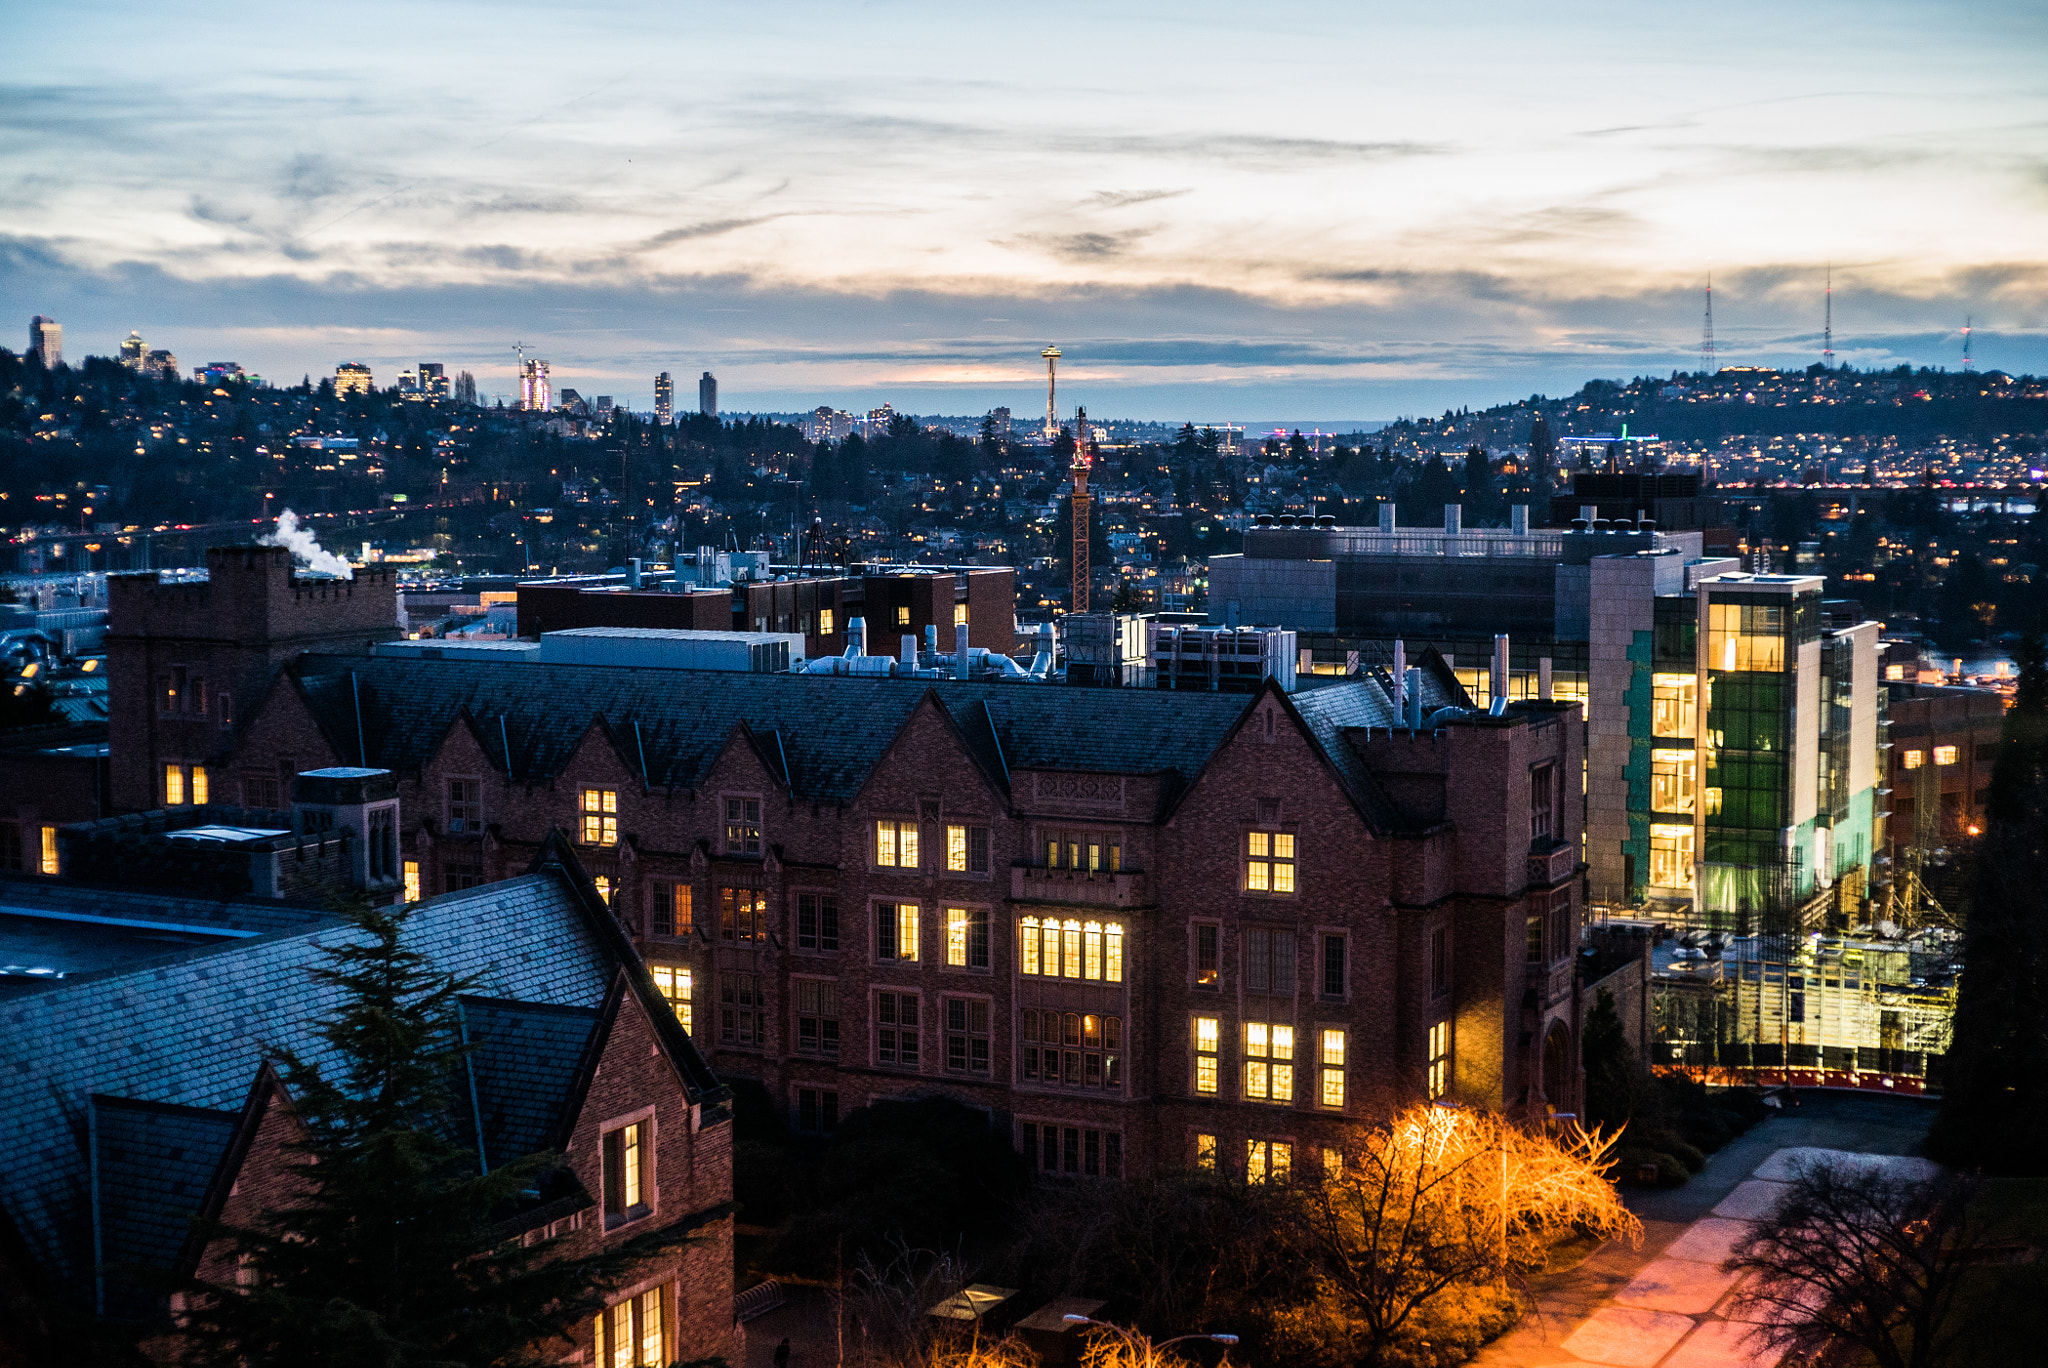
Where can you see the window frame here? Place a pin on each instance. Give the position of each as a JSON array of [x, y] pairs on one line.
[[888, 931], [638, 1192], [597, 812], [1264, 867], [823, 992], [1268, 1062], [742, 825], [1205, 1081], [1329, 1070], [819, 908], [679, 992], [1439, 1053], [915, 1030], [1205, 959], [887, 849], [1341, 939], [966, 1035], [967, 843], [472, 822], [967, 937]]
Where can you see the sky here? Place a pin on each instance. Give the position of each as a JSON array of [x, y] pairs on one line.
[[1283, 211]]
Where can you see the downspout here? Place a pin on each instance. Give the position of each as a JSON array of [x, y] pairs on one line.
[[355, 688]]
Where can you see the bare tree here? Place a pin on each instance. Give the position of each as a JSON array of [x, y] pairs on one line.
[[1445, 1198], [1855, 1255]]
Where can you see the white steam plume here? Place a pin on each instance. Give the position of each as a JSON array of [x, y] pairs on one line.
[[301, 543]]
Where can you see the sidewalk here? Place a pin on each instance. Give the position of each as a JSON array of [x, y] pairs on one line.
[[1666, 1305]]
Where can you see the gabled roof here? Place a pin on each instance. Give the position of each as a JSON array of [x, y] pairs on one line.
[[191, 1028], [151, 1164], [522, 1071], [832, 731]]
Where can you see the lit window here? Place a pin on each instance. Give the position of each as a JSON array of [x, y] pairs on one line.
[[896, 931], [1439, 1059], [1673, 776], [1268, 1062], [604, 889], [1269, 867], [959, 615], [1333, 1163], [966, 849], [632, 1333], [966, 938], [902, 615], [1333, 1067], [199, 785], [1671, 855], [1208, 1042], [896, 844], [174, 785], [1674, 705], [1943, 755], [743, 826], [824, 622], [1207, 972], [626, 1164], [1205, 1151], [412, 881], [600, 817], [1267, 1161], [742, 915], [674, 986], [48, 863]]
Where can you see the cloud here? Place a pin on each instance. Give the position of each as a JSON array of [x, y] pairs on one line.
[[1084, 247], [1124, 199], [691, 231]]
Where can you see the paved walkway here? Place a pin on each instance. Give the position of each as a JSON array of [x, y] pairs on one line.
[[1667, 1304]]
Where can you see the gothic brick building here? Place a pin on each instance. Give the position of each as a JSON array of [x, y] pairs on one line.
[[1140, 929]]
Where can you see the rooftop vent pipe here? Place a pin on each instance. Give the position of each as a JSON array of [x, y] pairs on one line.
[[1400, 679], [1497, 680]]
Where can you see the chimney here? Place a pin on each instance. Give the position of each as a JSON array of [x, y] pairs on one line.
[[908, 653], [1497, 681], [856, 636], [364, 804], [1454, 514], [1518, 520], [1414, 718], [1387, 517]]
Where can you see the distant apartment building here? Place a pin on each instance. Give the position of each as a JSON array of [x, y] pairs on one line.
[[827, 424], [352, 377], [433, 380], [1944, 742], [664, 399], [999, 422], [707, 395], [46, 340], [161, 364], [133, 351]]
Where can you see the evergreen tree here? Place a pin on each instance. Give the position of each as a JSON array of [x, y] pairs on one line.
[[1995, 1096], [389, 1258]]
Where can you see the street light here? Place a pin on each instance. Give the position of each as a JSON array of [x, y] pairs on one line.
[[1150, 1348]]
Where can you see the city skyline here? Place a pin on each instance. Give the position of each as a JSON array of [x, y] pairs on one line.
[[1331, 212]]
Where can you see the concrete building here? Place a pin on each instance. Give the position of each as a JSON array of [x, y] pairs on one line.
[[707, 395], [46, 340], [664, 399], [352, 377]]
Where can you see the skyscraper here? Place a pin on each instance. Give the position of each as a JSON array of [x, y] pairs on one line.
[[707, 395], [664, 399], [433, 380], [133, 351], [352, 377], [46, 339], [534, 391]]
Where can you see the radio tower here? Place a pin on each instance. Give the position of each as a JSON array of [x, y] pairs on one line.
[[1966, 344], [1052, 413], [1827, 332], [1707, 363], [1084, 452]]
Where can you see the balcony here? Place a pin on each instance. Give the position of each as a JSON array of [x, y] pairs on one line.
[[1079, 887], [1551, 864]]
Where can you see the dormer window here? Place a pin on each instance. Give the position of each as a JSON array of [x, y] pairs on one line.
[[896, 844], [1269, 862], [600, 817]]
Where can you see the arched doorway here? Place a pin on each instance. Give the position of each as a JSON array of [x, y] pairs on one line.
[[1559, 1074]]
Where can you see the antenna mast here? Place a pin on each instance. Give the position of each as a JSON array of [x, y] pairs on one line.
[[1827, 332], [1966, 343], [1708, 364]]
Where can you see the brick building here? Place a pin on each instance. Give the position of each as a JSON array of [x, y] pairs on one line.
[[140, 1094], [895, 604], [187, 659], [1139, 929], [1944, 741]]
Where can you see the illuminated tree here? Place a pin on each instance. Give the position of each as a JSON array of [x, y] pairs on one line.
[[1444, 1199]]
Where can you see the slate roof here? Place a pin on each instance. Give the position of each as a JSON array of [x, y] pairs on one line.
[[189, 1030], [151, 1163], [832, 730], [522, 1071]]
